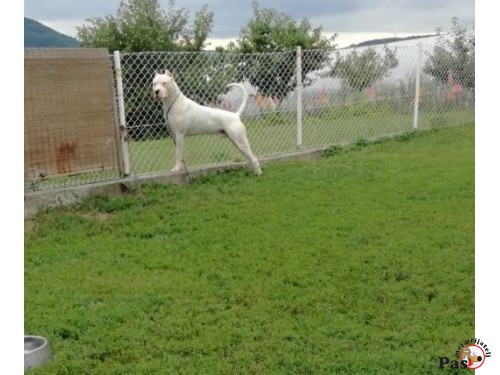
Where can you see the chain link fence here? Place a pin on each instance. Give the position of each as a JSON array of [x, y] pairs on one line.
[[298, 100], [340, 97]]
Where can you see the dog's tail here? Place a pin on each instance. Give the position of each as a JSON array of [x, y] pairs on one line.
[[245, 97]]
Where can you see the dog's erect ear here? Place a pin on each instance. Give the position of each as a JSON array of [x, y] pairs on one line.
[[169, 73]]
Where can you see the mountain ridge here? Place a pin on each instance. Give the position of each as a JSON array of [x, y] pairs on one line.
[[37, 35]]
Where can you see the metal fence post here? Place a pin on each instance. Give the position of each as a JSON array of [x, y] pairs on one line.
[[417, 88], [299, 97], [122, 131]]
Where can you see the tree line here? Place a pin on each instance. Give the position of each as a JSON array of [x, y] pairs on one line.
[[142, 25]]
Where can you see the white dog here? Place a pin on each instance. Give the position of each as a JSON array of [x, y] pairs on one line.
[[185, 117]]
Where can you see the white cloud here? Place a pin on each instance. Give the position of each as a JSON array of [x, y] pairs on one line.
[[350, 19], [64, 26], [389, 18]]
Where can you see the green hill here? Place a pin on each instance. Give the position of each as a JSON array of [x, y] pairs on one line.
[[38, 35]]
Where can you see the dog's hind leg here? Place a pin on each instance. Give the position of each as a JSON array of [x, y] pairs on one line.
[[240, 140]]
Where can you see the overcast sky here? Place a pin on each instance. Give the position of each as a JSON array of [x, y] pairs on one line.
[[360, 19]]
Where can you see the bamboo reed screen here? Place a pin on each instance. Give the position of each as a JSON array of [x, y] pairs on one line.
[[69, 116]]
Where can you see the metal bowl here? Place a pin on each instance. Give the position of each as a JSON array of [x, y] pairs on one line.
[[36, 351]]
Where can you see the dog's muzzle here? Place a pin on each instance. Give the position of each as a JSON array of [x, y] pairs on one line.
[[156, 96]]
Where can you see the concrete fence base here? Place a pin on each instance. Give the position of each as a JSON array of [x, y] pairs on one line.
[[40, 201]]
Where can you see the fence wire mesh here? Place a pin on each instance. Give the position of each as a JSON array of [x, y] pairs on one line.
[[298, 100], [348, 95]]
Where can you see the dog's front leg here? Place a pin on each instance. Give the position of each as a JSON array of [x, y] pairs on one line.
[[179, 154]]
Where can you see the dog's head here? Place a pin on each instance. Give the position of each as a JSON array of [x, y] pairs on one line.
[[470, 356], [162, 85]]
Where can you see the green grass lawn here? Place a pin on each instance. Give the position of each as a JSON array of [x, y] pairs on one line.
[[357, 263], [274, 133]]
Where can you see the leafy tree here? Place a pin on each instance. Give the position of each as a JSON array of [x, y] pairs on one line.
[[207, 77], [269, 31], [141, 25], [455, 56], [359, 70]]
